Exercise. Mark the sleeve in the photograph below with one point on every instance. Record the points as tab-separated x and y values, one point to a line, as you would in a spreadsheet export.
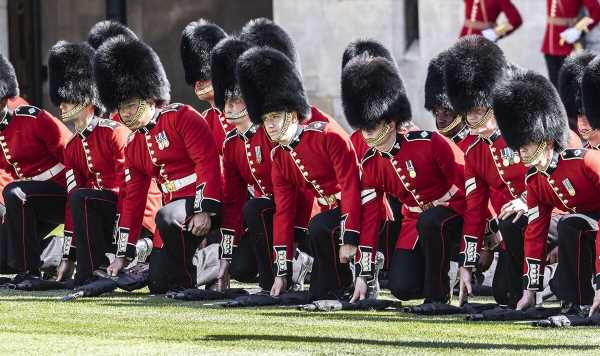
347	171
372	209
54	133
117	146
234	197
283	222
536	234
74	179
450	159
135	190
201	148
512	15
593	9
477	194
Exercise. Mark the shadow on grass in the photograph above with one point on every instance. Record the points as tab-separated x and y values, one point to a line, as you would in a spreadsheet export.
413	344
371	316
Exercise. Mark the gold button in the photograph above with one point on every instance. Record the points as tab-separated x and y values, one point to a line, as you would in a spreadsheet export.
551	181
417	196
293	154
154	160
565	201
8	156
394	162
501	172
560	195
317	186
247	145
305	174
253	170
402	177
297	161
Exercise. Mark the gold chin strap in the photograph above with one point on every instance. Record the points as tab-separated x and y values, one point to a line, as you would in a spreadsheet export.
208	89
451	126
287	121
236	115
534	157
135	119
488	114
70	115
376	141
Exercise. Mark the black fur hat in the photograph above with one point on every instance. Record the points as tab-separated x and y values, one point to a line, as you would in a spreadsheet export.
264	32
104	30
372	91
71	76
473	67
9	86
371	47
125	68
436	95
270	82
590	87
569	82
197	41
528	109
223	61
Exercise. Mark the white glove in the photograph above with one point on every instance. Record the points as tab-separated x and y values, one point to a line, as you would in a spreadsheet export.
490	34
571	35
515	207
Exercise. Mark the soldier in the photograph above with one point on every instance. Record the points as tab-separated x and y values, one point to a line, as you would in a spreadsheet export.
316	157
421	169
493	171
170	143
564	30
104	30
533	120
32	143
569	88
197	41
481	17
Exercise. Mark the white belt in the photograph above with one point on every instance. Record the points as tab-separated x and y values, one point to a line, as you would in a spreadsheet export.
329	199
48	173
444	198
174	185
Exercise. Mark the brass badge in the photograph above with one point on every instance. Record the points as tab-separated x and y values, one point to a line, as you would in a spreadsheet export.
162	140
411	169
509	157
567	183
258	154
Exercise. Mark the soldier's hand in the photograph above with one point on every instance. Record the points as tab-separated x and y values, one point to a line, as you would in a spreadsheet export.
116	266
465	287
279	286
571	35
527	300
490	34
596	304
199	224
515	206
65	270
552	256
360	289
347	253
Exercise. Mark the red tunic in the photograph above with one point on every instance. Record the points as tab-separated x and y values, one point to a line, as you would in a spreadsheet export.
177	149
482	14
563	14
218	125
571	183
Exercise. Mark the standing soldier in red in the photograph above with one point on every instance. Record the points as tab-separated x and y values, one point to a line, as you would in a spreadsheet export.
314	157
170	143
197	41
564	30
569	88
32	144
533	120
422	169
481	17
493	171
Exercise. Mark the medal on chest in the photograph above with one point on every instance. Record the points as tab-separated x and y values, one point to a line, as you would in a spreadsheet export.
258	154
162	140
567	183
410	167
509	156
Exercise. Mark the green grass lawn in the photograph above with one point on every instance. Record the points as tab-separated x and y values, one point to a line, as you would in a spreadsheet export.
124	323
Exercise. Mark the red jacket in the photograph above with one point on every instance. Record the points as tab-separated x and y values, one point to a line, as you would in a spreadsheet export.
422	167
172	148
482	14
319	159
218	125
247	167
6	177
32	143
563	14
572	184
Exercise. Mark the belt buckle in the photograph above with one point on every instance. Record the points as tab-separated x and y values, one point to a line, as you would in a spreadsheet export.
331	199
427	206
170	186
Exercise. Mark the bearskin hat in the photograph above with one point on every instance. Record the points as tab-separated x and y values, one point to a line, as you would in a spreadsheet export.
104	30
372	92
197	41
71	74
270	82
223	65
264	32
590	87
371	47
435	85
528	109
9	86
569	82
125	68
473	67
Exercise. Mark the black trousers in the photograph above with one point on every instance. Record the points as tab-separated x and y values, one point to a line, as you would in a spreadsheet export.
507	285
423	271
389	232
94	214
328	276
553	63
33	209
576	253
